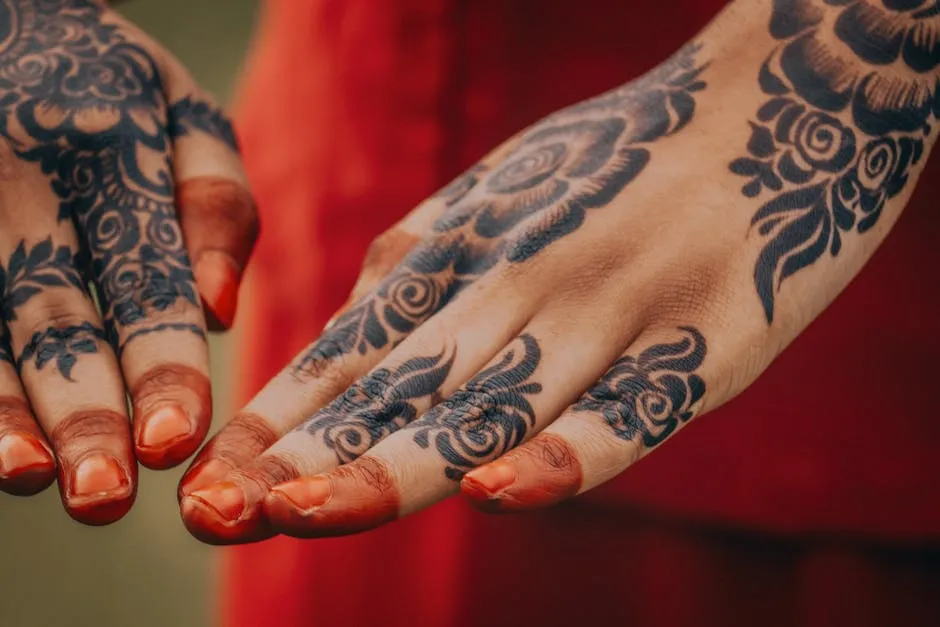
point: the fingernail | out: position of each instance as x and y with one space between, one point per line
23 454
491 479
306 493
98 475
217 277
225 498
165 427
203 474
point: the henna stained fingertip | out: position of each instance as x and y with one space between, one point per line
219 514
243 439
172 410
218 277
99 490
352 498
231 510
26 465
543 472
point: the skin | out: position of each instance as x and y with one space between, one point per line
117 172
598 237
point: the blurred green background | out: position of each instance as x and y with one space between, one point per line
145 571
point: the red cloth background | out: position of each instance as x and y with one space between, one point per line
811 499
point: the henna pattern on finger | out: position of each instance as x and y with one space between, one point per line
6 353
575 160
424 282
188 115
486 417
62 345
852 93
28 272
652 394
86 104
379 404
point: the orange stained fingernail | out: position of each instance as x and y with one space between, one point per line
165 427
24 459
203 474
98 475
304 494
99 490
217 276
225 499
487 481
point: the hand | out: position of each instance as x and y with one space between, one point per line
574 300
105 141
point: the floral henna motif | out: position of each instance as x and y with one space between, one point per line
378 405
653 394
853 91
488 416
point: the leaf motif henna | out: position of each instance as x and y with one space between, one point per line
62 345
851 101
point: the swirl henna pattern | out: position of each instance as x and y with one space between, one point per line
378 405
570 162
653 394
486 417
87 105
578 159
852 95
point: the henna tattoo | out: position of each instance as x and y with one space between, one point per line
426 280
28 272
853 90
188 114
194 329
653 394
378 405
573 161
62 345
6 353
578 159
86 104
488 416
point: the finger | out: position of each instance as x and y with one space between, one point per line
430 364
27 465
514 396
127 221
69 373
428 278
655 388
216 209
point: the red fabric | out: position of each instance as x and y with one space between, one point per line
355 110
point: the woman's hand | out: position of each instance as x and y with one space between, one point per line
574 300
105 142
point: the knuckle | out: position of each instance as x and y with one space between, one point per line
15 415
243 438
369 471
91 429
324 362
53 314
269 471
